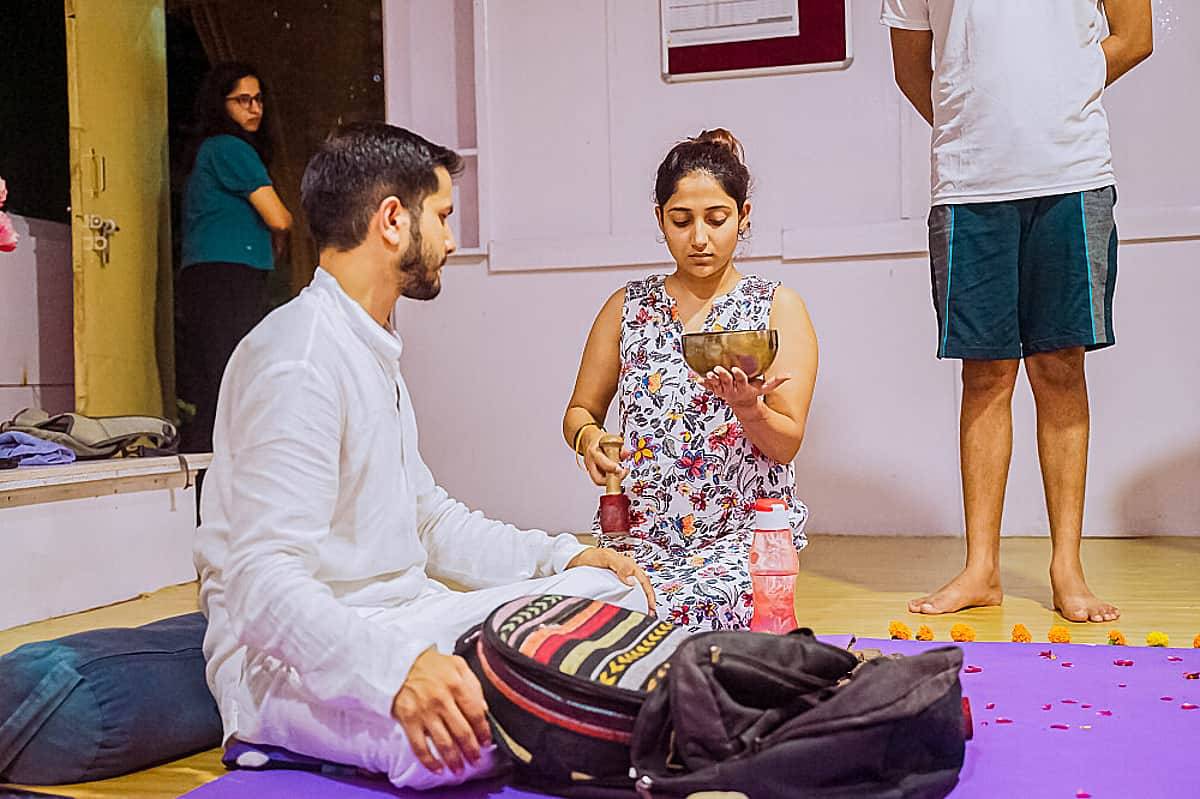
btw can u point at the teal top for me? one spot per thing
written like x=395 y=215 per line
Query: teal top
x=219 y=223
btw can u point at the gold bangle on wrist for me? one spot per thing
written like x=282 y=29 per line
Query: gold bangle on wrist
x=579 y=435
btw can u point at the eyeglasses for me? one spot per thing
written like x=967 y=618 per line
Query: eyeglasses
x=247 y=100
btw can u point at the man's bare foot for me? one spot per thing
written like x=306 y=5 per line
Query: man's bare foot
x=970 y=589
x=1076 y=602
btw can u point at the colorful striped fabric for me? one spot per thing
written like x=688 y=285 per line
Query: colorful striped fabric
x=564 y=678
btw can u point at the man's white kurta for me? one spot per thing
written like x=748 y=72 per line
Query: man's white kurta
x=318 y=513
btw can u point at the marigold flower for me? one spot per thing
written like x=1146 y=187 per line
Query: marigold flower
x=1116 y=638
x=899 y=630
x=1196 y=642
x=962 y=633
x=1059 y=635
x=1157 y=639
x=1021 y=635
x=924 y=633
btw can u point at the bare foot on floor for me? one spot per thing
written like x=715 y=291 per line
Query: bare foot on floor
x=967 y=590
x=1076 y=602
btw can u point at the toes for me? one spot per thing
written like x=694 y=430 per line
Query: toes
x=1075 y=614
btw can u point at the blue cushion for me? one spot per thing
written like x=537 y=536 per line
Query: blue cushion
x=107 y=702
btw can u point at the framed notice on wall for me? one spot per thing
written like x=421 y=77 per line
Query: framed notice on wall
x=706 y=39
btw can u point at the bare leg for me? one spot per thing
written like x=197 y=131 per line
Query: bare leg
x=1063 y=423
x=985 y=444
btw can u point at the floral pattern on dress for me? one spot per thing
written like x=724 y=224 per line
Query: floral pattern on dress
x=694 y=476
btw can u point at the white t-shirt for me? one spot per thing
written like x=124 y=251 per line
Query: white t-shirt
x=1016 y=96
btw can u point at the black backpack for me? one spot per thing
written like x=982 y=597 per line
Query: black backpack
x=591 y=700
x=789 y=717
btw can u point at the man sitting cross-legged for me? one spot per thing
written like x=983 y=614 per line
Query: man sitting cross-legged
x=322 y=529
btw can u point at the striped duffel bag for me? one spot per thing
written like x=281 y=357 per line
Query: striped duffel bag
x=564 y=678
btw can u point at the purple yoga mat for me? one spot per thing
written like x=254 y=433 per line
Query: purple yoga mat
x=283 y=784
x=1148 y=747
x=1068 y=727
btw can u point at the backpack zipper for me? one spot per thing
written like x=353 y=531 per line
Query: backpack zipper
x=715 y=654
x=570 y=682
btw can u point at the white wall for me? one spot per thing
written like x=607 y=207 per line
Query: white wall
x=37 y=367
x=573 y=120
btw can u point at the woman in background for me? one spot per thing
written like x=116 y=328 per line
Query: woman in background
x=702 y=448
x=230 y=213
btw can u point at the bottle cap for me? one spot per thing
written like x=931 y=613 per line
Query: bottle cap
x=772 y=514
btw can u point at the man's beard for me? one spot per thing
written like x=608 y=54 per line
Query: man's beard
x=419 y=269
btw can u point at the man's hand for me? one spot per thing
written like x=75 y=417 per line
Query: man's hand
x=621 y=565
x=441 y=701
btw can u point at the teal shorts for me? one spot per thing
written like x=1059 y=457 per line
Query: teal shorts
x=1020 y=277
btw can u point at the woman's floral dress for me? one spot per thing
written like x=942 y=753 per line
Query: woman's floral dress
x=694 y=477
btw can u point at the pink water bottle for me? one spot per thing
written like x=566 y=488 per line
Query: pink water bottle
x=773 y=569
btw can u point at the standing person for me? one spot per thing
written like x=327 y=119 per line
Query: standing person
x=1022 y=245
x=230 y=211
x=323 y=530
x=703 y=448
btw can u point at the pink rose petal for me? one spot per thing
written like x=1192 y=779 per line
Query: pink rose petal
x=1188 y=706
x=1085 y=707
x=1068 y=665
x=972 y=669
x=1103 y=712
x=1003 y=720
x=8 y=235
x=1069 y=701
x=1060 y=726
x=1175 y=659
x=1167 y=698
x=1046 y=707
x=1081 y=794
x=990 y=706
x=1122 y=685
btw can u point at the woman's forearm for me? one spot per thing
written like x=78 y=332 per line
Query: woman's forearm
x=775 y=434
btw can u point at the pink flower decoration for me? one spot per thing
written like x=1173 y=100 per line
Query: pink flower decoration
x=8 y=236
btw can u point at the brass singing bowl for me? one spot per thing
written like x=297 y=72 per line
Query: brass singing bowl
x=752 y=351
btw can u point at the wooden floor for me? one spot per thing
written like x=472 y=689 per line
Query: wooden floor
x=848 y=584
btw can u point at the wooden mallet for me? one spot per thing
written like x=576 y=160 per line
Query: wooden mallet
x=614 y=505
